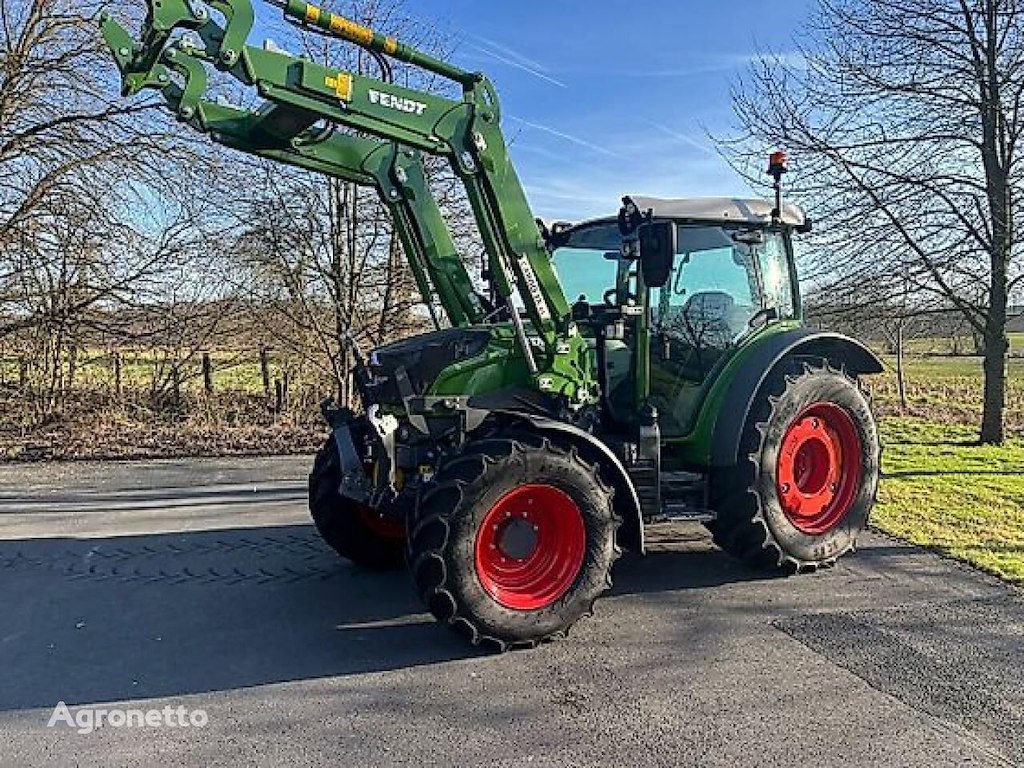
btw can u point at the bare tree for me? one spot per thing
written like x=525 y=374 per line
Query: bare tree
x=86 y=221
x=322 y=261
x=903 y=117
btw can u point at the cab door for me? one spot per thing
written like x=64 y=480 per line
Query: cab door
x=698 y=317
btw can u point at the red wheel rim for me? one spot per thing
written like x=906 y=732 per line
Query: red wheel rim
x=385 y=527
x=530 y=547
x=819 y=469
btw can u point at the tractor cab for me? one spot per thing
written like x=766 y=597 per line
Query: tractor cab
x=732 y=276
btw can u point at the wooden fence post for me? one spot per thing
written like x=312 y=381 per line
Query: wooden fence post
x=265 y=370
x=176 y=383
x=900 y=377
x=207 y=373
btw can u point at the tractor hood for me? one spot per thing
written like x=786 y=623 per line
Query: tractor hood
x=409 y=367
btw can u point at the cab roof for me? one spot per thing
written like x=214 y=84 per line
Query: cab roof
x=716 y=210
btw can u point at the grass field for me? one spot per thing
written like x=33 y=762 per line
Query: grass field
x=941 y=491
x=232 y=371
x=944 y=346
x=947 y=390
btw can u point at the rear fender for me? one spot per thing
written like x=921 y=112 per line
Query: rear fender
x=839 y=350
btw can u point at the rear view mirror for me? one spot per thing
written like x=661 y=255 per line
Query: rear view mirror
x=749 y=237
x=657 y=251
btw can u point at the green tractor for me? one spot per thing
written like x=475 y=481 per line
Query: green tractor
x=510 y=455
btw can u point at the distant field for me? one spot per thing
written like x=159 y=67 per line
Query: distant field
x=940 y=491
x=233 y=371
x=947 y=390
x=945 y=346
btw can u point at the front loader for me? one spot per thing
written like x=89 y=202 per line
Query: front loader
x=511 y=454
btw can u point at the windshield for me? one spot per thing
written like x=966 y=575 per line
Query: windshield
x=735 y=269
x=588 y=266
x=726 y=282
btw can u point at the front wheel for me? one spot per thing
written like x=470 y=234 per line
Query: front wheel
x=355 y=531
x=514 y=542
x=808 y=471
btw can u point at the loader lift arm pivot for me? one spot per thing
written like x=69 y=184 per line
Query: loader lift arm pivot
x=466 y=132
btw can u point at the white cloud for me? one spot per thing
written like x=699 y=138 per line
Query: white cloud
x=566 y=136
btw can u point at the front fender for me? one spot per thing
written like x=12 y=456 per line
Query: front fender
x=627 y=503
x=841 y=351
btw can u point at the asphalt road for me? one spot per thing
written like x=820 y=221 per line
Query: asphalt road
x=201 y=585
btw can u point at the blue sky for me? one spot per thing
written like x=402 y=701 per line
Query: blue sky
x=602 y=98
x=608 y=98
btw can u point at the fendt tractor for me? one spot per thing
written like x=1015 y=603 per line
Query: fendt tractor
x=510 y=455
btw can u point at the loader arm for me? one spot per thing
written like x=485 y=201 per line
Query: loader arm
x=300 y=94
x=468 y=133
x=397 y=174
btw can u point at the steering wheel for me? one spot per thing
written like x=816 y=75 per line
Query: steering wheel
x=610 y=295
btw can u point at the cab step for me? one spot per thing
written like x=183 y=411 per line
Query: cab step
x=677 y=512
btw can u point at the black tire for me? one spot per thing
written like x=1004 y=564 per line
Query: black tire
x=753 y=524
x=342 y=522
x=472 y=486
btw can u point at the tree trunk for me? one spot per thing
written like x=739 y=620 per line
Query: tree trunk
x=265 y=371
x=996 y=347
x=998 y=189
x=994 y=338
x=176 y=385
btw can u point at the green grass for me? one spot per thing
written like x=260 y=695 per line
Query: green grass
x=940 y=491
x=944 y=346
x=237 y=372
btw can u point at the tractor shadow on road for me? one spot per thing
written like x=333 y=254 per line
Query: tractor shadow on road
x=165 y=615
x=158 y=616
x=680 y=557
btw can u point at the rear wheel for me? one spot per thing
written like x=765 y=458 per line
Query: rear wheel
x=514 y=542
x=355 y=531
x=806 y=480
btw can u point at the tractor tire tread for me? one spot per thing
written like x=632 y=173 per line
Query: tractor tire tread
x=430 y=530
